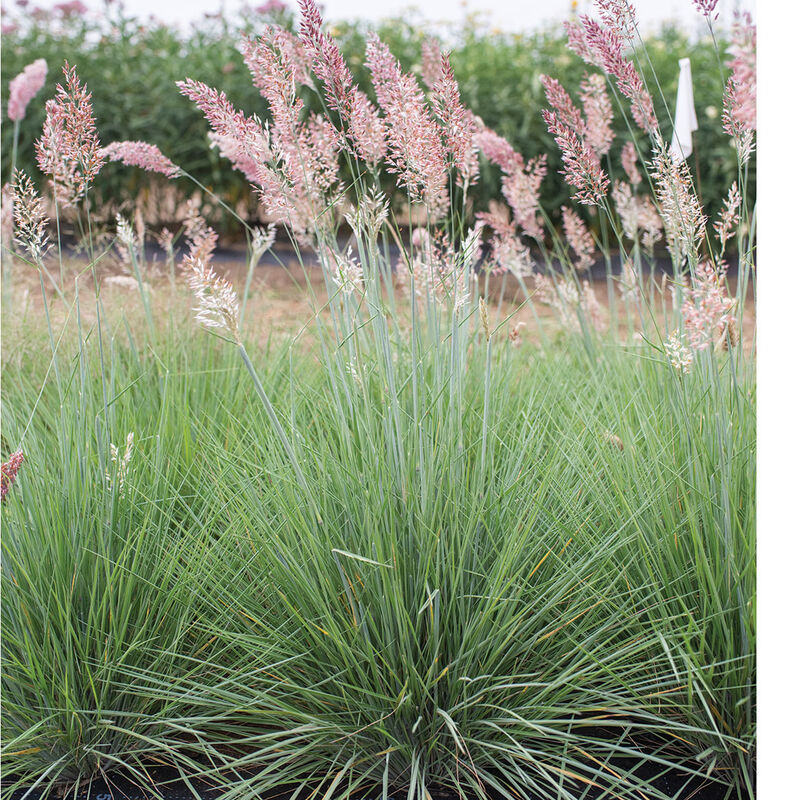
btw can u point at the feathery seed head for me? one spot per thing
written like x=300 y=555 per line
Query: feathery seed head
x=25 y=87
x=629 y=163
x=598 y=112
x=217 y=304
x=141 y=154
x=69 y=148
x=30 y=220
x=579 y=237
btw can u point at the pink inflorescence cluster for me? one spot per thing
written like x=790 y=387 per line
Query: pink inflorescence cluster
x=581 y=164
x=416 y=152
x=459 y=125
x=140 y=154
x=9 y=470
x=581 y=141
x=739 y=101
x=72 y=8
x=707 y=308
x=706 y=7
x=599 y=115
x=629 y=163
x=579 y=238
x=69 y=148
x=604 y=46
x=25 y=87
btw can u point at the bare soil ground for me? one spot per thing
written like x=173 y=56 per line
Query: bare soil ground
x=282 y=300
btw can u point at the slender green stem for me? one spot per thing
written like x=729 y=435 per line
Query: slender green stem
x=276 y=424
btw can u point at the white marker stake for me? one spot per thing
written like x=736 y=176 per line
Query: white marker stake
x=685 y=116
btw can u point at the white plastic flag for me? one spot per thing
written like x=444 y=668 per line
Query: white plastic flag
x=685 y=116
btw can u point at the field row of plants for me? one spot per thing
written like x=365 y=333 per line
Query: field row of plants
x=467 y=531
x=499 y=78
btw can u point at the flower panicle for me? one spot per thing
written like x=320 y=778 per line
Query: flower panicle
x=23 y=88
x=30 y=219
x=498 y=150
x=598 y=112
x=707 y=309
x=300 y=187
x=346 y=271
x=729 y=216
x=629 y=158
x=522 y=189
x=263 y=239
x=244 y=140
x=629 y=282
x=608 y=48
x=416 y=152
x=515 y=334
x=141 y=154
x=327 y=60
x=459 y=125
x=365 y=129
x=217 y=305
x=680 y=210
x=125 y=231
x=69 y=149
x=368 y=218
x=8 y=472
x=576 y=41
x=431 y=62
x=579 y=238
x=679 y=354
x=707 y=8
x=508 y=252
x=581 y=165
x=739 y=101
x=121 y=462
x=562 y=105
x=619 y=16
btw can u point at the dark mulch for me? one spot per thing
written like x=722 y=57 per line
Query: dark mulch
x=171 y=787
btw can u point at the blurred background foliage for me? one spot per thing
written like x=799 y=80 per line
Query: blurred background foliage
x=131 y=69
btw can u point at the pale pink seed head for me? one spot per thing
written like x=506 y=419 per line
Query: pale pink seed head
x=607 y=45
x=141 y=154
x=459 y=125
x=598 y=112
x=581 y=165
x=416 y=152
x=728 y=216
x=579 y=238
x=431 y=62
x=576 y=41
x=629 y=158
x=522 y=189
x=707 y=309
x=619 y=16
x=498 y=150
x=562 y=105
x=69 y=148
x=217 y=304
x=25 y=87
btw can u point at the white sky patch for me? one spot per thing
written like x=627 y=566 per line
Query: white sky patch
x=508 y=15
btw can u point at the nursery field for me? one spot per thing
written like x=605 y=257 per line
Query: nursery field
x=414 y=489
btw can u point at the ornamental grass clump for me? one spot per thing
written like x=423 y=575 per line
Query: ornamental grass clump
x=415 y=555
